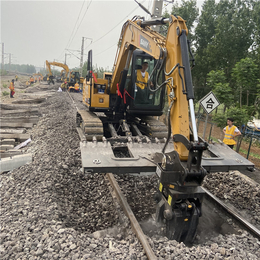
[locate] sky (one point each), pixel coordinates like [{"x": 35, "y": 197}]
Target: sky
[{"x": 36, "y": 31}]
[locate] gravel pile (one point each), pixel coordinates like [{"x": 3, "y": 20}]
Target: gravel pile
[
  {"x": 52, "y": 192},
  {"x": 139, "y": 192},
  {"x": 240, "y": 192},
  {"x": 50, "y": 209},
  {"x": 235, "y": 247}
]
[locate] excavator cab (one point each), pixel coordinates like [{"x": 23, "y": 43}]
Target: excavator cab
[{"x": 140, "y": 98}]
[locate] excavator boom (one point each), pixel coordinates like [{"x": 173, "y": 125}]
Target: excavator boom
[{"x": 58, "y": 64}]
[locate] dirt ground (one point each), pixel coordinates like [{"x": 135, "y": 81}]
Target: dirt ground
[{"x": 19, "y": 86}]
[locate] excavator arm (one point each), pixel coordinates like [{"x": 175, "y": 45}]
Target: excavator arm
[
  {"x": 48, "y": 67},
  {"x": 58, "y": 64}
]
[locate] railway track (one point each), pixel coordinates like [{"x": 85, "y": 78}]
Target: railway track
[
  {"x": 242, "y": 222},
  {"x": 233, "y": 214},
  {"x": 51, "y": 200}
]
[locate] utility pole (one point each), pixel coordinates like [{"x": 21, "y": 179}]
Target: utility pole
[
  {"x": 81, "y": 57},
  {"x": 10, "y": 62},
  {"x": 82, "y": 53},
  {"x": 66, "y": 57},
  {"x": 157, "y": 12}
]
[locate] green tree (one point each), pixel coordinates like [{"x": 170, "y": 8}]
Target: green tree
[
  {"x": 84, "y": 69},
  {"x": 216, "y": 80},
  {"x": 240, "y": 116},
  {"x": 189, "y": 11},
  {"x": 224, "y": 35},
  {"x": 245, "y": 74},
  {"x": 256, "y": 34},
  {"x": 204, "y": 37},
  {"x": 232, "y": 34}
]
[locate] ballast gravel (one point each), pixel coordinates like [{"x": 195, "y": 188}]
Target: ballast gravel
[
  {"x": 51, "y": 210},
  {"x": 236, "y": 190}
]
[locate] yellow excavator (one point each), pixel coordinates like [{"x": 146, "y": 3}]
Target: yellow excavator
[
  {"x": 38, "y": 74},
  {"x": 74, "y": 77},
  {"x": 62, "y": 76},
  {"x": 120, "y": 132},
  {"x": 71, "y": 76},
  {"x": 58, "y": 64}
]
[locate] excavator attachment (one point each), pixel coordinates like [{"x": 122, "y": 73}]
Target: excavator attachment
[
  {"x": 179, "y": 196},
  {"x": 139, "y": 157}
]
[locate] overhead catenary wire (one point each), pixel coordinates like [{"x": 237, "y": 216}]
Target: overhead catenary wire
[
  {"x": 72, "y": 37},
  {"x": 81, "y": 21},
  {"x": 75, "y": 24},
  {"x": 112, "y": 30},
  {"x": 102, "y": 35},
  {"x": 106, "y": 49},
  {"x": 116, "y": 24},
  {"x": 73, "y": 28}
]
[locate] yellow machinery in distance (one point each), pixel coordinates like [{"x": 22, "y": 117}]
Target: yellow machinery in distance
[
  {"x": 70, "y": 76},
  {"x": 38, "y": 74},
  {"x": 122, "y": 135},
  {"x": 58, "y": 64}
]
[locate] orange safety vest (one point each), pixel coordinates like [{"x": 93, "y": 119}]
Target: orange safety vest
[
  {"x": 31, "y": 79},
  {"x": 141, "y": 81},
  {"x": 11, "y": 87},
  {"x": 229, "y": 136}
]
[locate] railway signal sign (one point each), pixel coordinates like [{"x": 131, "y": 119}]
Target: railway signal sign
[{"x": 209, "y": 102}]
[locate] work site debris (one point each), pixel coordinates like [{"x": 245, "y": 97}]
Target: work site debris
[{"x": 22, "y": 144}]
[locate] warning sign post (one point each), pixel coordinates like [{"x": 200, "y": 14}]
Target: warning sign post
[{"x": 209, "y": 103}]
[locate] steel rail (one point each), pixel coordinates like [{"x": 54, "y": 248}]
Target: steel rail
[
  {"x": 135, "y": 225},
  {"x": 252, "y": 229},
  {"x": 72, "y": 100}
]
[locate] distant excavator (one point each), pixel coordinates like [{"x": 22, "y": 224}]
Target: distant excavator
[{"x": 72, "y": 77}]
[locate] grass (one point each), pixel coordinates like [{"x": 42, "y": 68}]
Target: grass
[
  {"x": 214, "y": 139},
  {"x": 5, "y": 93},
  {"x": 4, "y": 85},
  {"x": 250, "y": 154}
]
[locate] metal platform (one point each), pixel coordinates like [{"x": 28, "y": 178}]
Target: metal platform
[
  {"x": 224, "y": 159},
  {"x": 99, "y": 157}
]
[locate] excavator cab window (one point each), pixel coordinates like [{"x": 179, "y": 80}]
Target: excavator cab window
[{"x": 141, "y": 78}]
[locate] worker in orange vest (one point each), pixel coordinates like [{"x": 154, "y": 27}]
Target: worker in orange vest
[
  {"x": 11, "y": 87},
  {"x": 31, "y": 80},
  {"x": 230, "y": 131}
]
